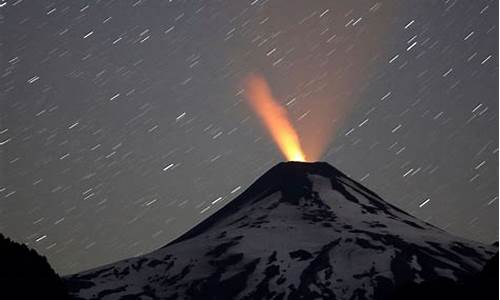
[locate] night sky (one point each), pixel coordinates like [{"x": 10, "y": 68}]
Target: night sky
[{"x": 121, "y": 122}]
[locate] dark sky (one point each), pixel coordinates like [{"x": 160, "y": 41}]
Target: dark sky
[{"x": 122, "y": 121}]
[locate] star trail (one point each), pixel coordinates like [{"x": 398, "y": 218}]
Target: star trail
[{"x": 124, "y": 123}]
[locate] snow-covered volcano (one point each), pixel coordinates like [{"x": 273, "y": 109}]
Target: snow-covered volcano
[{"x": 301, "y": 231}]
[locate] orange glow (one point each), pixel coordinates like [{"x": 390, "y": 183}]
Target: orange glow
[{"x": 274, "y": 117}]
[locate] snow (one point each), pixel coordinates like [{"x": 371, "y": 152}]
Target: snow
[{"x": 351, "y": 237}]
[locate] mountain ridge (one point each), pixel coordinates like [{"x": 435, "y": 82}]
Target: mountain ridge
[
  {"x": 319, "y": 168},
  {"x": 300, "y": 231}
]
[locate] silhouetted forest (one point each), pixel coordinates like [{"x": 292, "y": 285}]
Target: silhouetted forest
[{"x": 24, "y": 274}]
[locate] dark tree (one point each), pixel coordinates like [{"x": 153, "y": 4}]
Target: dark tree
[{"x": 24, "y": 274}]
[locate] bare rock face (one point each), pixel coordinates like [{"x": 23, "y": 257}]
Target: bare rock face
[{"x": 301, "y": 231}]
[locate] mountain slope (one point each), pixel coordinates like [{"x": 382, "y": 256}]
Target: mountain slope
[{"x": 301, "y": 231}]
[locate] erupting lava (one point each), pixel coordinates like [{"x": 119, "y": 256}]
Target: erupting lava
[{"x": 274, "y": 117}]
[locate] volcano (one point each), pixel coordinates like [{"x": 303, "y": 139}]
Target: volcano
[{"x": 301, "y": 231}]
